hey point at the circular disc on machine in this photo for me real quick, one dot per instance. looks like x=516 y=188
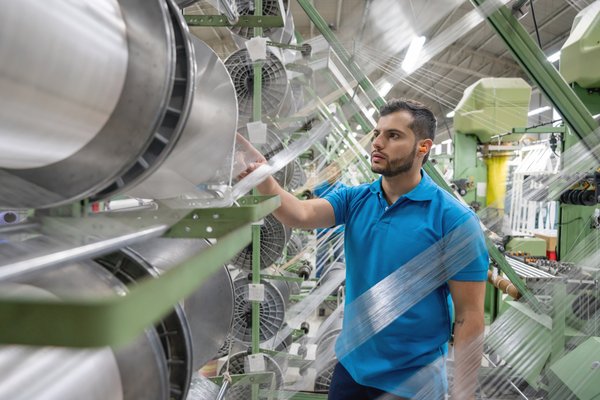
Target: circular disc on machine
x=323 y=378
x=172 y=332
x=272 y=311
x=143 y=124
x=273 y=239
x=276 y=95
x=206 y=142
x=84 y=279
x=243 y=389
x=209 y=310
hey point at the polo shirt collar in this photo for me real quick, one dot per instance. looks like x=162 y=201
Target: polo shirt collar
x=422 y=192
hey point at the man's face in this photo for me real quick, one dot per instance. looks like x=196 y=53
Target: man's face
x=394 y=146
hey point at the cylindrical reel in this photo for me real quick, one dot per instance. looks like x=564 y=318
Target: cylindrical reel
x=206 y=315
x=104 y=112
x=276 y=94
x=173 y=330
x=206 y=143
x=294 y=246
x=333 y=270
x=273 y=239
x=65 y=374
x=326 y=347
x=238 y=364
x=272 y=309
x=283 y=35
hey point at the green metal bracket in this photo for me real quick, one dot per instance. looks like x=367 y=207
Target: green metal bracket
x=213 y=222
x=304 y=48
x=283 y=278
x=256 y=116
x=247 y=21
x=534 y=62
x=116 y=320
x=540 y=129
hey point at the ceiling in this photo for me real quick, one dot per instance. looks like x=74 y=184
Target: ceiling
x=377 y=33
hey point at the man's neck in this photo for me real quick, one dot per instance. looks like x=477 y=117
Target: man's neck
x=396 y=186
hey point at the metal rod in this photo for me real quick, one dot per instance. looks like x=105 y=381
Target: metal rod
x=53 y=259
x=224 y=387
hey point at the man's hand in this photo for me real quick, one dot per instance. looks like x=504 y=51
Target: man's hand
x=247 y=157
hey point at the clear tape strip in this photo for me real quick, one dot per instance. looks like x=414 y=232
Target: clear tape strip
x=280 y=160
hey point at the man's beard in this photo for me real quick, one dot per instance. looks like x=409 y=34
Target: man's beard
x=397 y=167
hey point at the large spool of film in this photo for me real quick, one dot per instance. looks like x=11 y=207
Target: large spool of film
x=207 y=140
x=99 y=95
x=209 y=310
x=72 y=374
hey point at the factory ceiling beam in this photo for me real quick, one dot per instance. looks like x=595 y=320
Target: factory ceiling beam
x=540 y=27
x=338 y=16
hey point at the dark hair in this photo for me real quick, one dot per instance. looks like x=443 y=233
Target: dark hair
x=424 y=123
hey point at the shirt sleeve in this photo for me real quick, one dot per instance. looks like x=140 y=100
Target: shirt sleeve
x=466 y=250
x=339 y=200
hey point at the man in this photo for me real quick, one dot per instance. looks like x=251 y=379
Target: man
x=389 y=224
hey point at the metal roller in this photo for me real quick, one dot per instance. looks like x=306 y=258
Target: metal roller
x=89 y=118
x=209 y=134
x=173 y=330
x=326 y=348
x=332 y=271
x=76 y=374
x=209 y=310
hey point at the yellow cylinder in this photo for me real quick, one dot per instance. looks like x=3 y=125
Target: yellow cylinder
x=497 y=169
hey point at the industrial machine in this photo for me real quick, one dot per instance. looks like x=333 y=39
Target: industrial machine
x=548 y=347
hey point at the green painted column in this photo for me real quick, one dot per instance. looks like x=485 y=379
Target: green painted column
x=256 y=116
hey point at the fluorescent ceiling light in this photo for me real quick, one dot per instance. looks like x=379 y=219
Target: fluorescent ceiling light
x=446 y=141
x=385 y=88
x=554 y=57
x=371 y=111
x=412 y=54
x=450 y=114
x=538 y=110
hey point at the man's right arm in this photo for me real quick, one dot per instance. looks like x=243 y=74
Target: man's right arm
x=296 y=213
x=293 y=212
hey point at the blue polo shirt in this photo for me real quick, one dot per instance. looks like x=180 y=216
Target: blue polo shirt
x=323 y=189
x=379 y=239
